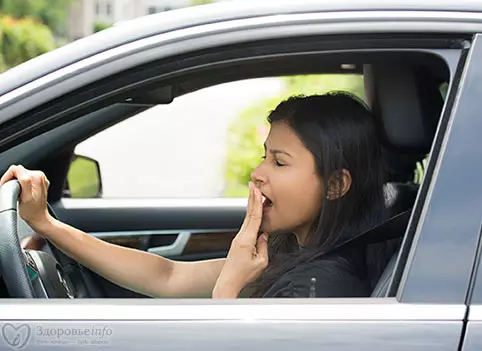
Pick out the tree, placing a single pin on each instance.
(200, 2)
(100, 26)
(22, 40)
(52, 13)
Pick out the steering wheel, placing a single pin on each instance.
(30, 273)
(12, 259)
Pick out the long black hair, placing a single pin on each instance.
(338, 129)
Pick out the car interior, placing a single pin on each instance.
(402, 90)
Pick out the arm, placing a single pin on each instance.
(140, 271)
(135, 270)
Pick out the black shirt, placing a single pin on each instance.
(341, 273)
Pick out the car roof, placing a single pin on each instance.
(147, 26)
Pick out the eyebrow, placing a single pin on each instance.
(276, 151)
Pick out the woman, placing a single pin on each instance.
(320, 183)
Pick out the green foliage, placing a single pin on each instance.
(100, 26)
(200, 2)
(52, 13)
(420, 169)
(321, 84)
(22, 40)
(3, 65)
(249, 130)
(246, 136)
(83, 178)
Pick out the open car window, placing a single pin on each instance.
(202, 145)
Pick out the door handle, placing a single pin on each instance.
(174, 249)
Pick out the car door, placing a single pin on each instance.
(424, 309)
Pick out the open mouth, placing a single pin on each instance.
(267, 203)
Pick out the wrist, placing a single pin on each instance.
(224, 291)
(43, 225)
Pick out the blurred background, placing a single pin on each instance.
(203, 145)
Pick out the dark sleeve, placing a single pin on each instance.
(333, 278)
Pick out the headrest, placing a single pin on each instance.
(406, 103)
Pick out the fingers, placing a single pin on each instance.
(41, 180)
(262, 251)
(26, 178)
(16, 172)
(23, 176)
(248, 208)
(254, 215)
(9, 175)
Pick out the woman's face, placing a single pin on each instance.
(288, 179)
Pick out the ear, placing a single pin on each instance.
(339, 184)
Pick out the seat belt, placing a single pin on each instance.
(393, 228)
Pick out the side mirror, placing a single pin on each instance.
(83, 178)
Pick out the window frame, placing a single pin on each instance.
(433, 245)
(468, 103)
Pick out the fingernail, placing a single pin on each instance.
(265, 236)
(250, 184)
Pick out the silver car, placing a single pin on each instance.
(422, 66)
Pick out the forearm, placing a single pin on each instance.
(135, 270)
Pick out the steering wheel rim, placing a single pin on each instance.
(13, 266)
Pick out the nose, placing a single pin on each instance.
(258, 175)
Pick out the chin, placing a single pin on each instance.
(266, 228)
(269, 228)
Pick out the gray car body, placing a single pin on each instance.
(431, 308)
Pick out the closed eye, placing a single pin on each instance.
(275, 161)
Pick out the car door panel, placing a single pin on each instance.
(168, 228)
(473, 335)
(305, 324)
(184, 245)
(185, 230)
(126, 215)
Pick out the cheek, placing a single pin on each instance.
(310, 198)
(301, 198)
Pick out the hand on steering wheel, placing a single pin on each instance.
(29, 189)
(33, 195)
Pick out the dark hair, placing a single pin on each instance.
(338, 129)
